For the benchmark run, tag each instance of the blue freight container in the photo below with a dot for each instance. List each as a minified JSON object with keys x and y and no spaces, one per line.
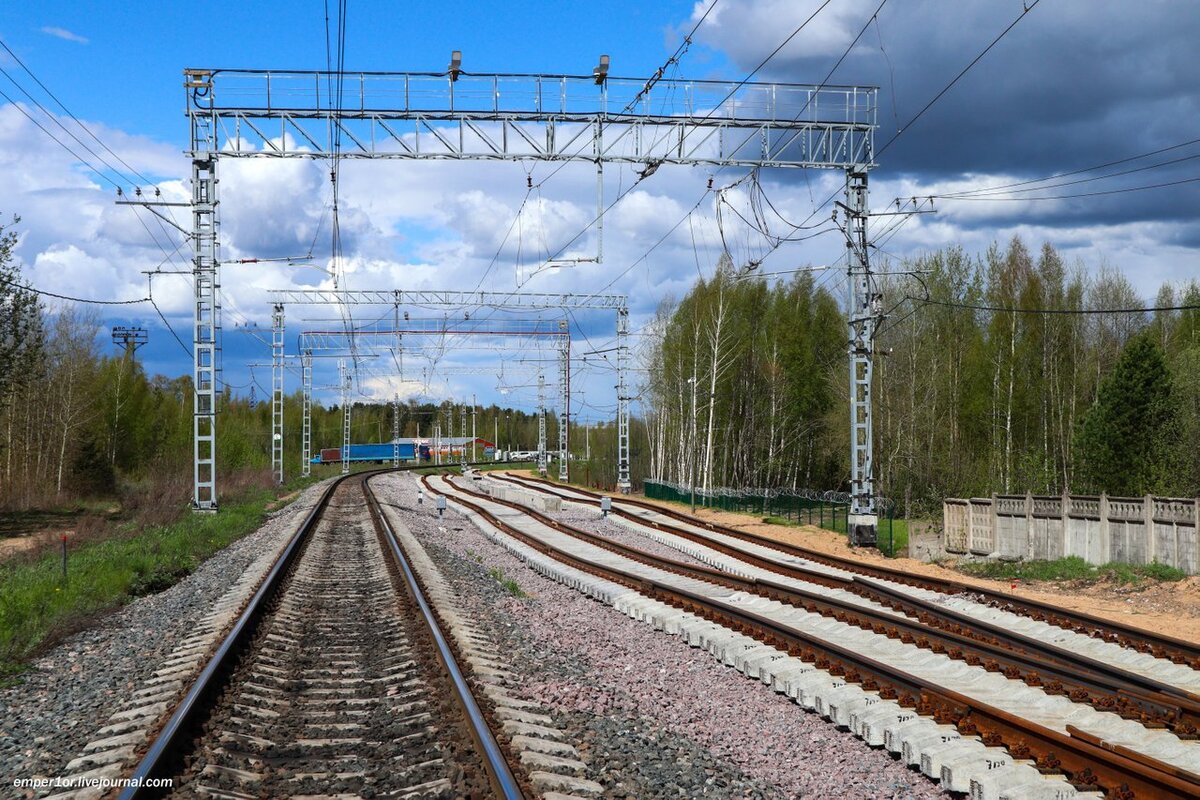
{"x":368,"y":452}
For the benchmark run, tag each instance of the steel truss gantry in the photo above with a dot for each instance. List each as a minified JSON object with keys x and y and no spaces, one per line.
{"x":290,"y":114}
{"x":498,"y":117}
{"x":370,"y":338}
{"x":356,"y":343}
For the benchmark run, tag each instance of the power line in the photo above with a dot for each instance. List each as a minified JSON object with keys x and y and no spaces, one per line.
{"x":60,"y":142}
{"x":1008,"y":310}
{"x":1079,"y":171}
{"x":68,"y":112}
{"x":904,"y":128}
{"x":1025,"y":9}
{"x":45,"y":293}
{"x":985,"y":193}
{"x":1079,"y":194}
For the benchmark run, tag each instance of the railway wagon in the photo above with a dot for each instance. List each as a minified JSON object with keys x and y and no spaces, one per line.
{"x":379,"y":453}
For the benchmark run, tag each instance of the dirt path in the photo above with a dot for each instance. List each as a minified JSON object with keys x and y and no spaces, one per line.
{"x":14,"y":545}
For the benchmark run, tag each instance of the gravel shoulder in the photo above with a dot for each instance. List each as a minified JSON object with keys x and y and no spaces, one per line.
{"x":68,"y":693}
{"x":651,"y":716}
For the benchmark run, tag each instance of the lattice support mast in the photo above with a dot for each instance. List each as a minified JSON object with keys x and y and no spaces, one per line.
{"x":541,"y":462}
{"x":306,"y":390}
{"x":462,"y":427}
{"x":624,"y":485}
{"x":564,"y":408}
{"x":277,"y":392}
{"x":864,"y":308}
{"x":206,"y":324}
{"x":344,"y":383}
{"x":395,"y":429}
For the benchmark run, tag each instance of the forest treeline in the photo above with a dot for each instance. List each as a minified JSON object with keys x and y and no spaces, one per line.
{"x":747,"y":382}
{"x":745,"y":386}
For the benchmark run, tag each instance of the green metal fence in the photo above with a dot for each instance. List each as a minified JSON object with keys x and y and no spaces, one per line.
{"x":824,"y":509}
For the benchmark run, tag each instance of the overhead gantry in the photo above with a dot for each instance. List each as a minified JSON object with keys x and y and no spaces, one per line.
{"x":458,"y":115}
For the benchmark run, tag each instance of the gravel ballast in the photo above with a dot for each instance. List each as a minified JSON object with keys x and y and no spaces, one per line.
{"x":653,"y":717}
{"x":68,"y":693}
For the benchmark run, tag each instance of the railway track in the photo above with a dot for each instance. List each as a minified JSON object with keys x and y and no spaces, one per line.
{"x":336,"y":681}
{"x":875,"y":645}
{"x":1175,"y":650}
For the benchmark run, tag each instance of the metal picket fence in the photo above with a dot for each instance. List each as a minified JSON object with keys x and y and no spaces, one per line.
{"x":824,"y":509}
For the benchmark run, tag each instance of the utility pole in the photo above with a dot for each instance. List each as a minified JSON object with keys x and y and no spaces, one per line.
{"x":496,"y":436}
{"x":130,"y":339}
{"x":863,"y":311}
{"x":474,"y":410}
{"x":541,"y":425}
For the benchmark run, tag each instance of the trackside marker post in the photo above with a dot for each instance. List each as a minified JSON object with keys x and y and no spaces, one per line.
{"x":441,"y":504}
{"x":605,"y":506}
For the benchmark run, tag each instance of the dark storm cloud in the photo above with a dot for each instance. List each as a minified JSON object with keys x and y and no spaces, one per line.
{"x":1072,"y":85}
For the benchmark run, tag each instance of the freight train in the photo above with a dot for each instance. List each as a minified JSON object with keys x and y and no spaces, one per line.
{"x":410,"y":450}
{"x":379,"y":453}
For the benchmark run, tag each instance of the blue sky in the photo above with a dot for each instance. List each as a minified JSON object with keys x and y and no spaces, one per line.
{"x":1073,"y":85}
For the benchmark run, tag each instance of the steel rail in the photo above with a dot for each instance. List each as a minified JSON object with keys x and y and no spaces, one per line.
{"x":930,"y":613}
{"x":1055,"y":669}
{"x":504,"y":783}
{"x":1087,"y":760}
{"x":174,"y":735}
{"x":1172,"y":648}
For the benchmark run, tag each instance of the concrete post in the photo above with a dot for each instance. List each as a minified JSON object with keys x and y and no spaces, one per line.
{"x":970,"y":525}
{"x":1191,"y":568}
{"x":1151,"y":538}
{"x":995,"y":525}
{"x":1105,"y":531}
{"x":1066,"y":522}
{"x":1028,"y":525}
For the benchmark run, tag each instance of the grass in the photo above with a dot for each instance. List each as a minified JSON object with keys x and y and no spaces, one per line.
{"x":443,"y":469}
{"x":502,"y":465}
{"x":130,"y":559}
{"x":511,"y":586}
{"x":1073,"y":568}
{"x":891,"y":536}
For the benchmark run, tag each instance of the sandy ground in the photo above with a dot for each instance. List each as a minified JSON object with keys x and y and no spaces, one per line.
{"x":13,"y":545}
{"x":1168,"y":608}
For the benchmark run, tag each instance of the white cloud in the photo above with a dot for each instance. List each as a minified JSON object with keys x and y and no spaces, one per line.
{"x":63,"y":33}
{"x":438,"y":224}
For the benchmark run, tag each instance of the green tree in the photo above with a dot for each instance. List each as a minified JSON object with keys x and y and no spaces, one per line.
{"x":1123,"y":446}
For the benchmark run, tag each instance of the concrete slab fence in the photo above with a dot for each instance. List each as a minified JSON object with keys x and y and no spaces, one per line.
{"x":1130,"y":530}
